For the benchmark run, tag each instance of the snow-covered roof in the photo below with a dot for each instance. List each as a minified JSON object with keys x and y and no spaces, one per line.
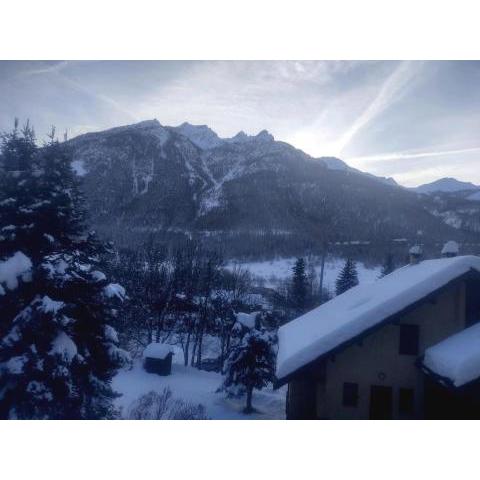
{"x":415,"y":250}
{"x":157,"y":350}
{"x":451,"y":247}
{"x":345,"y":317}
{"x":456,"y":358}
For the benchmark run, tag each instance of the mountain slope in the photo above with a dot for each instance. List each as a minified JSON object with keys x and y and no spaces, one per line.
{"x":258,"y":193}
{"x":456,"y":203}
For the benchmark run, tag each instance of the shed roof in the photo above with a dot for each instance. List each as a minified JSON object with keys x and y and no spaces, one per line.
{"x":347,"y":316}
{"x":159,"y":351}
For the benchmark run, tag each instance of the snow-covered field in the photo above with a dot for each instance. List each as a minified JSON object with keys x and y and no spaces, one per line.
{"x":274,"y":271}
{"x":197,"y":387}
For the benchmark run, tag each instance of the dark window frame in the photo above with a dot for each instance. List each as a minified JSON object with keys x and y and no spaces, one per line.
{"x":350,"y":394}
{"x":409,"y":339}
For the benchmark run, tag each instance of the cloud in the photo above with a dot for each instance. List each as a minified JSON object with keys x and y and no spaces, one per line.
{"x":413,"y":168}
{"x":391,"y":91}
{"x":48,"y":68}
{"x":82,"y":87}
{"x":369,"y":159}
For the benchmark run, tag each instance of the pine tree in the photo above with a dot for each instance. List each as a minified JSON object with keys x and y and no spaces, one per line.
{"x":348,"y":277}
{"x":388,"y":265}
{"x":58,"y":352}
{"x":250,"y":364}
{"x":299,"y":286}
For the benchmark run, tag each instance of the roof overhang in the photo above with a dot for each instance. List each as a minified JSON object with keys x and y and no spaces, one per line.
{"x":445,"y":381}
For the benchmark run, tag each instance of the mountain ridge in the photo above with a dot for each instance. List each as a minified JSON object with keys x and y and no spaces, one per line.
{"x":446,"y":185}
{"x":148,"y":177}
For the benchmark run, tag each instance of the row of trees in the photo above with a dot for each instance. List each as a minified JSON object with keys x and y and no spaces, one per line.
{"x":180,"y":296}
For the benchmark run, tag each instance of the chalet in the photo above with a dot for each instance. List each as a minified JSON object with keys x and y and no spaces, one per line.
{"x":406,"y":346}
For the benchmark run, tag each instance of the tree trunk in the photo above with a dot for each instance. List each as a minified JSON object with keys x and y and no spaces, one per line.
{"x":248,"y":408}
{"x":222,"y":352}
{"x":322,"y":270}
{"x":192,"y":358}
{"x":199,"y":350}
{"x":159,"y":327}
{"x":150,"y":334}
{"x":186,"y":349}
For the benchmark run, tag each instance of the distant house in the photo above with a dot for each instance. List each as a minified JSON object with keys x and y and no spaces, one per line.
{"x":406,"y":346}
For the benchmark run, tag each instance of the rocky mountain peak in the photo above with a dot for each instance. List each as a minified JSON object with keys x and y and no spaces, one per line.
{"x":200,"y":135}
{"x":265,"y":135}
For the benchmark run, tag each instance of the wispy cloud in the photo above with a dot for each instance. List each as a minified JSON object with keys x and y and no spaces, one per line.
{"x":101,"y":97}
{"x":370,"y":159}
{"x":45,"y":69}
{"x":57,"y":71}
{"x":391,"y":91}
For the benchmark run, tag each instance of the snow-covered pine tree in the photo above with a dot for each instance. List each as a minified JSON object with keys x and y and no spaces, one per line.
{"x":250,"y":364}
{"x":347,"y":278}
{"x":388,"y":266}
{"x":299,"y":286}
{"x":18,"y":191}
{"x":58,"y":352}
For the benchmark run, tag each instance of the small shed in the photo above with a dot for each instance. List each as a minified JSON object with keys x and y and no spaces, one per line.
{"x":157,"y":358}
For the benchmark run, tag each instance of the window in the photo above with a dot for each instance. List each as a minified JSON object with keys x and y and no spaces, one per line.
{"x":406,"y":401}
{"x":350,"y":394}
{"x":408,"y":340}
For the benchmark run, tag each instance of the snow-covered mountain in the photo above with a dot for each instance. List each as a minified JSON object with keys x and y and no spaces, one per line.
{"x":446,"y":185}
{"x":206,"y":139}
{"x":260,"y":193}
{"x":200,"y":135}
{"x":455,"y":202}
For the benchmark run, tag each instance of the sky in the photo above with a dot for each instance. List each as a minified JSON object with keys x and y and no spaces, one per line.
{"x":411,"y":120}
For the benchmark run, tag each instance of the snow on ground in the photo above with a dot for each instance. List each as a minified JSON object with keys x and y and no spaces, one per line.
{"x":274,"y":271}
{"x":197,"y":387}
